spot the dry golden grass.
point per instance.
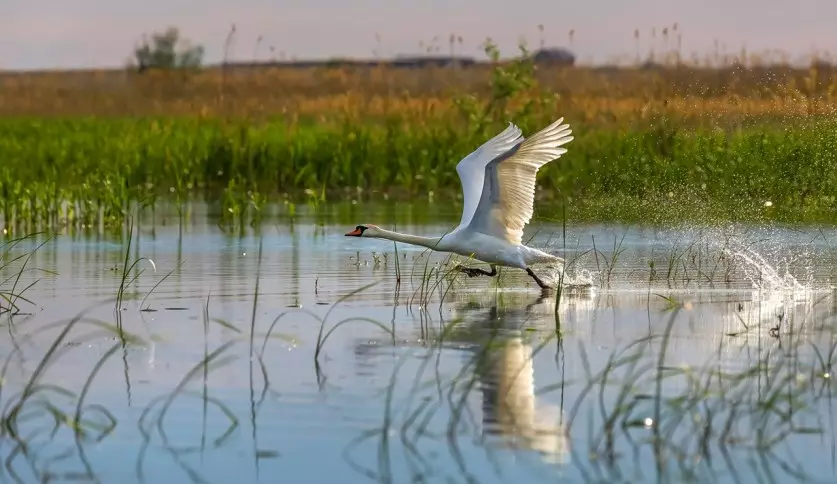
(597, 95)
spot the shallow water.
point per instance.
(698, 354)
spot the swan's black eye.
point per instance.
(361, 228)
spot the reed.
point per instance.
(697, 89)
(683, 140)
(89, 172)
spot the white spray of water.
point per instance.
(577, 278)
(776, 292)
(760, 273)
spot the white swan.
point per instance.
(498, 185)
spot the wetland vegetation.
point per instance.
(694, 340)
(699, 354)
(674, 142)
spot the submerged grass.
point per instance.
(695, 422)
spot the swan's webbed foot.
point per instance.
(544, 287)
(476, 271)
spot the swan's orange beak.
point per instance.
(354, 233)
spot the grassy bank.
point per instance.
(657, 144)
(87, 170)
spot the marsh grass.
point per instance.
(607, 175)
(665, 152)
(10, 274)
(127, 269)
(727, 81)
(610, 262)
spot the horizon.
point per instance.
(54, 35)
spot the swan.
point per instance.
(498, 186)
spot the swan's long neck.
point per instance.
(429, 242)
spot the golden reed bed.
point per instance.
(596, 95)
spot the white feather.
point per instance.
(507, 199)
(471, 169)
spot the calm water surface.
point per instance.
(681, 354)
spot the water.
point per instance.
(713, 364)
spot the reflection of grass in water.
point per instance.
(24, 411)
(34, 399)
(703, 416)
(91, 422)
(690, 413)
(707, 414)
(148, 421)
(693, 423)
(449, 394)
(672, 414)
(10, 293)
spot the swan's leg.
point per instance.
(545, 294)
(537, 279)
(476, 271)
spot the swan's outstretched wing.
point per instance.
(508, 191)
(471, 169)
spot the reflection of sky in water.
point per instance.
(326, 426)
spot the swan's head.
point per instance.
(364, 231)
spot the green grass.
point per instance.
(91, 170)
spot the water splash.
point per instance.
(576, 278)
(761, 274)
(777, 298)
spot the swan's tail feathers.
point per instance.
(553, 259)
(540, 257)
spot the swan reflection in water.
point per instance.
(496, 333)
(512, 414)
(510, 409)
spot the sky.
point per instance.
(48, 34)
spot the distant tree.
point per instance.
(167, 50)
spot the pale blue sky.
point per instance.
(88, 33)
